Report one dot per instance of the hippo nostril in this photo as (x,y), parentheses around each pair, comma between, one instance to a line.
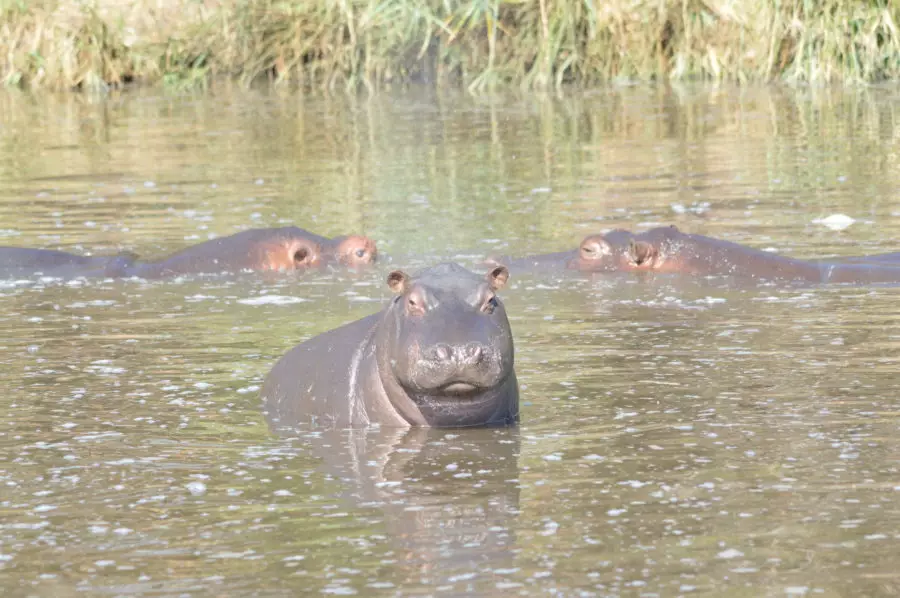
(473,353)
(443,353)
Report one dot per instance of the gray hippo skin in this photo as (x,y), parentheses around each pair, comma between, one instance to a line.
(285,249)
(18,262)
(440,354)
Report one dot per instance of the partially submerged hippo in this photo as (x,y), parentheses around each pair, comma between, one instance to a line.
(16,262)
(440,354)
(265,249)
(668,250)
(613,245)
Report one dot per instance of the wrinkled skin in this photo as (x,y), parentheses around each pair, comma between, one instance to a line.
(440,354)
(668,250)
(269,249)
(19,261)
(260,250)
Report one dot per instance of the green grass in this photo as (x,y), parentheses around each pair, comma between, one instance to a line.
(533,44)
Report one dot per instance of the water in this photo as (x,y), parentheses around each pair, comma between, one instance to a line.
(677,437)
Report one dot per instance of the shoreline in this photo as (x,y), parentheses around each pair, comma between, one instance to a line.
(49,44)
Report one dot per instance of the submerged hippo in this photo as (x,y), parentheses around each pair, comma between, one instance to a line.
(265,249)
(668,250)
(440,354)
(613,245)
(19,261)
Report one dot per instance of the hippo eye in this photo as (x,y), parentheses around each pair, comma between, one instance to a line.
(361,252)
(587,250)
(490,305)
(414,307)
(301,255)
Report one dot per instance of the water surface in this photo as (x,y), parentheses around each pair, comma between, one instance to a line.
(677,437)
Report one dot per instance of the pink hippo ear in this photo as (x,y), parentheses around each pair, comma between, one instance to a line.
(497,277)
(642,252)
(398,280)
(594,247)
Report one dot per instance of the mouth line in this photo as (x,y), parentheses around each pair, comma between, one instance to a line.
(458,388)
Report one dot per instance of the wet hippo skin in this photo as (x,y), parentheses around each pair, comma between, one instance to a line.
(20,261)
(439,354)
(266,249)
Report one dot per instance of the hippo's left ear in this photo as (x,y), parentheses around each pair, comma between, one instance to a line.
(497,278)
(398,280)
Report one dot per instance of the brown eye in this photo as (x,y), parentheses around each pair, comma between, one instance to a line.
(301,255)
(361,252)
(587,249)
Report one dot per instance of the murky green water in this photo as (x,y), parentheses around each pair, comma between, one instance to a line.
(677,437)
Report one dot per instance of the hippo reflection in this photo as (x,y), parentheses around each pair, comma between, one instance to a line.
(449,497)
(440,354)
(272,249)
(668,250)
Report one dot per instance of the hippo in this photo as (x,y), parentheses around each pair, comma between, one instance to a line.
(265,249)
(614,243)
(668,250)
(17,262)
(440,354)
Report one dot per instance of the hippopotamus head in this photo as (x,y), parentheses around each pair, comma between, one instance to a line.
(283,249)
(607,252)
(445,348)
(353,250)
(623,251)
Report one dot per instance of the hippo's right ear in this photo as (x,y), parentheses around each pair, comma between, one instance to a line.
(497,277)
(641,252)
(398,280)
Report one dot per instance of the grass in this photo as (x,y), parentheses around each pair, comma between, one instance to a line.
(533,44)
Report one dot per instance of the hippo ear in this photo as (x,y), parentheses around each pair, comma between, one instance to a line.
(641,252)
(497,277)
(398,280)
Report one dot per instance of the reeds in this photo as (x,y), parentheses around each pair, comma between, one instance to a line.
(477,43)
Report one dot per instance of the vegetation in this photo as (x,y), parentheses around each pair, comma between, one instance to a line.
(478,43)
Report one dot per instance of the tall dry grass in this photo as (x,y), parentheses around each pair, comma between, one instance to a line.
(478,43)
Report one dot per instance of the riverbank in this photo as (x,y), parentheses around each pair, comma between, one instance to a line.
(337,44)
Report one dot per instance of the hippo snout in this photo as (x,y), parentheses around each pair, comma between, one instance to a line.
(463,355)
